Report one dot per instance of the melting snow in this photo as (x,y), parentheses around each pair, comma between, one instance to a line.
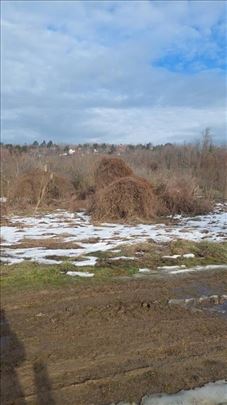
(90,261)
(189,255)
(78,228)
(172,257)
(210,394)
(199,268)
(144,270)
(172,267)
(122,258)
(186,256)
(79,274)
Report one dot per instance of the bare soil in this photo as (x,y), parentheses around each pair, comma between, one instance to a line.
(97,344)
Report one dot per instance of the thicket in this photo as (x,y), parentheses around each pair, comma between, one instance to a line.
(183,172)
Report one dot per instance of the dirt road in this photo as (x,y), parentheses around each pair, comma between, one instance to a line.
(85,345)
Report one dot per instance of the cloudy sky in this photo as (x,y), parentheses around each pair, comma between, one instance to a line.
(113,71)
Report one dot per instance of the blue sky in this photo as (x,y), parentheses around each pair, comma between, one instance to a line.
(113,71)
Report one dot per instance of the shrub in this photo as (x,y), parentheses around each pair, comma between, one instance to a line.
(40,187)
(182,195)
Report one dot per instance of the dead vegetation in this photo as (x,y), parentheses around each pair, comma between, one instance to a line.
(132,197)
(118,194)
(109,170)
(52,243)
(3,213)
(40,188)
(182,195)
(125,199)
(186,178)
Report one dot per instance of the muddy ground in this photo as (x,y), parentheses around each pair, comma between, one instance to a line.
(116,340)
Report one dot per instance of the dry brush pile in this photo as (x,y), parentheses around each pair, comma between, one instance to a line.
(121,195)
(182,195)
(125,199)
(179,179)
(110,169)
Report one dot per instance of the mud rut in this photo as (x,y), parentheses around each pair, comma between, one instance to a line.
(116,341)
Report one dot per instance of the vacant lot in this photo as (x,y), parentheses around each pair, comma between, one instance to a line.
(117,330)
(97,343)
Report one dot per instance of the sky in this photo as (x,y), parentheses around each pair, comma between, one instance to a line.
(113,71)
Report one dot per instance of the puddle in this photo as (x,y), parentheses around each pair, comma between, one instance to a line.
(220,309)
(211,303)
(171,271)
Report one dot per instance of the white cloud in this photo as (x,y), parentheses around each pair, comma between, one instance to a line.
(181,124)
(74,71)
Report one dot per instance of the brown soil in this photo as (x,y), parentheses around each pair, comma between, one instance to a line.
(125,199)
(40,187)
(97,344)
(109,170)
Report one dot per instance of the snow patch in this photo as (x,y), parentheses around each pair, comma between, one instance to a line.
(78,228)
(171,267)
(185,256)
(145,270)
(189,255)
(171,257)
(90,261)
(210,394)
(122,258)
(200,268)
(79,274)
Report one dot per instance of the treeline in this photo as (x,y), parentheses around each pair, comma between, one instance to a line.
(202,163)
(84,146)
(26,148)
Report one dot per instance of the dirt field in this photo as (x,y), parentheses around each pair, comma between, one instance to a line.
(85,344)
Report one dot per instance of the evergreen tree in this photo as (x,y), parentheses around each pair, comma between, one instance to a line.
(49,144)
(35,143)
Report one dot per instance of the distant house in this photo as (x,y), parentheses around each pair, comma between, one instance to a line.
(71,151)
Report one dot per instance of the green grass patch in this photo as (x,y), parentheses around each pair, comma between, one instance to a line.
(205,252)
(29,275)
(33,276)
(151,255)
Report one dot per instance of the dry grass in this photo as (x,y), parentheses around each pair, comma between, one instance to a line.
(201,166)
(109,170)
(182,195)
(129,198)
(56,243)
(3,208)
(40,188)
